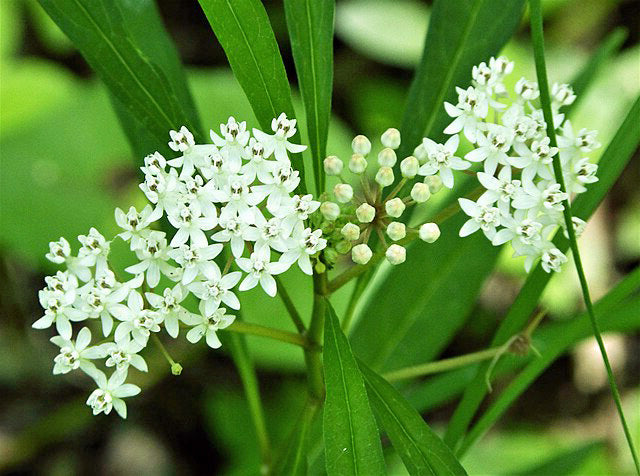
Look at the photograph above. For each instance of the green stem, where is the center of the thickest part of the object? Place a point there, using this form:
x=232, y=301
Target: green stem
x=249, y=379
x=442, y=365
x=291, y=308
x=313, y=354
x=242, y=327
x=176, y=368
x=541, y=70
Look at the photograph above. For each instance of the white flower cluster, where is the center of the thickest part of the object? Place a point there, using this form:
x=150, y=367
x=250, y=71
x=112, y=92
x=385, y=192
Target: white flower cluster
x=522, y=203
x=356, y=214
x=238, y=190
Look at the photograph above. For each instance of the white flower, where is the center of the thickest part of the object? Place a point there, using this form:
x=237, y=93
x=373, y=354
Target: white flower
x=233, y=230
x=190, y=225
x=94, y=250
x=261, y=270
x=483, y=216
x=492, y=148
x=302, y=245
x=472, y=107
x=181, y=140
x=535, y=161
x=546, y=197
x=161, y=189
x=278, y=143
x=524, y=233
x=441, y=160
x=200, y=195
x=501, y=189
x=195, y=260
x=135, y=224
x=58, y=308
x=110, y=393
x=76, y=354
x=552, y=259
x=168, y=305
x=562, y=95
x=199, y=156
x=258, y=166
x=153, y=256
x=216, y=288
x=584, y=141
x=154, y=163
x=123, y=354
x=527, y=90
x=297, y=210
x=269, y=233
x=232, y=143
x=100, y=299
x=285, y=180
x=582, y=172
x=60, y=252
x=240, y=199
x=137, y=322
x=207, y=324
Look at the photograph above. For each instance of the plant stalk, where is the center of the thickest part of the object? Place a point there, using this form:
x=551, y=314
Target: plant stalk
x=313, y=354
x=291, y=308
x=242, y=327
x=541, y=71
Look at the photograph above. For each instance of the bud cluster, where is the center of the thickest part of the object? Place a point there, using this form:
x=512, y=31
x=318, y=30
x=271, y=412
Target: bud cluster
x=368, y=203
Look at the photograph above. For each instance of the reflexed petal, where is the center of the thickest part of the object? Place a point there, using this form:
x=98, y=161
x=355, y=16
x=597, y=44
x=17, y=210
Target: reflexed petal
x=212, y=340
x=83, y=339
x=471, y=226
x=126, y=390
x=268, y=284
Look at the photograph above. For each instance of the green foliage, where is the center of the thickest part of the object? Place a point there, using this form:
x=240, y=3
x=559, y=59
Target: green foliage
x=125, y=43
x=461, y=34
x=351, y=440
x=421, y=450
x=310, y=24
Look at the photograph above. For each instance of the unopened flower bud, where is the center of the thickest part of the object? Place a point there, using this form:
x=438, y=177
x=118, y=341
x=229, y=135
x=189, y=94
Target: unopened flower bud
x=176, y=368
x=330, y=211
x=361, y=145
x=420, y=153
x=409, y=167
x=396, y=254
x=396, y=230
x=365, y=213
x=361, y=254
x=333, y=165
x=391, y=138
x=394, y=207
x=387, y=157
x=343, y=247
x=420, y=192
x=384, y=176
x=320, y=267
x=343, y=192
x=434, y=182
x=330, y=255
x=351, y=231
x=429, y=232
x=357, y=164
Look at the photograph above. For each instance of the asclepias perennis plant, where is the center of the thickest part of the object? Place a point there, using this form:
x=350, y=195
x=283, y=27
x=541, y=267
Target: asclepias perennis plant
x=251, y=202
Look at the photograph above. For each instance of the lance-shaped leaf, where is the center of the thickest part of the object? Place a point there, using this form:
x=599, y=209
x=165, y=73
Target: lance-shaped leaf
x=243, y=29
x=421, y=450
x=127, y=46
x=613, y=161
x=461, y=34
x=310, y=25
x=351, y=440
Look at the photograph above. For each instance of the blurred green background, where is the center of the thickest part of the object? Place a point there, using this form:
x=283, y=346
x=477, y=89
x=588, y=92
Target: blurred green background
x=65, y=165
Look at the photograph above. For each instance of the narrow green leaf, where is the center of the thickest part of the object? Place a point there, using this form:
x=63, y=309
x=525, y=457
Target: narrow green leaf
x=244, y=31
x=461, y=34
x=613, y=161
x=126, y=44
x=294, y=461
x=351, y=439
x=415, y=316
x=310, y=25
x=624, y=317
x=421, y=450
x=581, y=82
